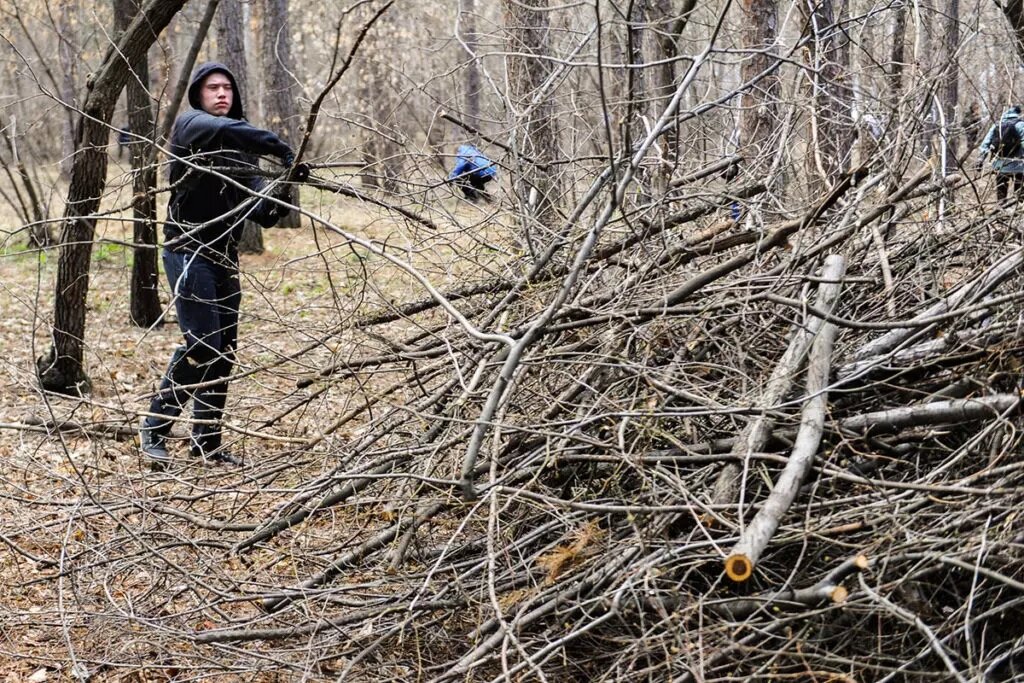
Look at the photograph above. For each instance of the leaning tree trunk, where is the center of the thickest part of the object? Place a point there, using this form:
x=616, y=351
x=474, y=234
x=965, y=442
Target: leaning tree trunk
x=62, y=368
x=280, y=112
x=231, y=52
x=535, y=131
x=144, y=297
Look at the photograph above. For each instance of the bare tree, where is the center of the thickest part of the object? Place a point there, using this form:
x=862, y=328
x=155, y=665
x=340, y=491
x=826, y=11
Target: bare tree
x=231, y=32
x=532, y=117
x=280, y=109
x=759, y=117
x=828, y=73
x=380, y=145
x=467, y=23
x=62, y=368
x=144, y=297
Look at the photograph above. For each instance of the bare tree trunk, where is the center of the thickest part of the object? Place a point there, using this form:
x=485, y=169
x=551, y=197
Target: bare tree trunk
x=144, y=298
x=231, y=52
x=528, y=30
x=668, y=24
x=280, y=112
x=62, y=368
x=950, y=95
x=381, y=150
x=69, y=71
x=467, y=19
x=832, y=124
x=638, y=114
x=759, y=101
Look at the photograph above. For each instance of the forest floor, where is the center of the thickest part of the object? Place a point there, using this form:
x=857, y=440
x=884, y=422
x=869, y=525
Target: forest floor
x=81, y=499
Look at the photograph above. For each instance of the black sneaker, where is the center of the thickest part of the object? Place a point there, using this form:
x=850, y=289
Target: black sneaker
x=224, y=458
x=153, y=446
x=210, y=451
x=217, y=457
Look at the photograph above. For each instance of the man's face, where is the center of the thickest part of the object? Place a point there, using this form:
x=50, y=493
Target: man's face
x=215, y=94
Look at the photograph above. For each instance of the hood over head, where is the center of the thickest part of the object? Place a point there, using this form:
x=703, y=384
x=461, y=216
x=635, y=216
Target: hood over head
x=204, y=70
x=1012, y=113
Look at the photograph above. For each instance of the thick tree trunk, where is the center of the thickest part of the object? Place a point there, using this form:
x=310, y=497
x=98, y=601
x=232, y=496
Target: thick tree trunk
x=527, y=26
x=62, y=368
x=758, y=119
x=467, y=20
x=231, y=33
x=381, y=151
x=280, y=112
x=144, y=298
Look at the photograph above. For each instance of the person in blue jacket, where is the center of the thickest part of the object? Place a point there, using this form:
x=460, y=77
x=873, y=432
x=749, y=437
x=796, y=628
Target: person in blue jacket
x=472, y=172
x=1005, y=144
x=212, y=150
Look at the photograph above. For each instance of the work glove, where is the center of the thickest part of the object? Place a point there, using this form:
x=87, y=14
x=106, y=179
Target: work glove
x=300, y=173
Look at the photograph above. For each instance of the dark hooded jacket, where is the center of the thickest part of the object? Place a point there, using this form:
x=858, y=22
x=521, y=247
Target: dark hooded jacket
x=205, y=213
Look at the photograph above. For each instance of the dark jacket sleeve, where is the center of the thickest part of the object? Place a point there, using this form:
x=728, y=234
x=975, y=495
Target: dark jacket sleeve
x=207, y=132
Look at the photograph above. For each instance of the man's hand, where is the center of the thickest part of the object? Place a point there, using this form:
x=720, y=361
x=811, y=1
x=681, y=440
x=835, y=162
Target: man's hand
x=300, y=173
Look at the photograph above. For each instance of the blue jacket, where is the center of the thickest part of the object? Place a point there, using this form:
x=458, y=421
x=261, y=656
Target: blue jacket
x=199, y=198
x=471, y=161
x=1004, y=164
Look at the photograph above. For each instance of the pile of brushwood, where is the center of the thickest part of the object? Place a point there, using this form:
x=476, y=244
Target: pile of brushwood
x=673, y=447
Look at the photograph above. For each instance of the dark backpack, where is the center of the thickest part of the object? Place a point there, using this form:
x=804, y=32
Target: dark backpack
x=1007, y=142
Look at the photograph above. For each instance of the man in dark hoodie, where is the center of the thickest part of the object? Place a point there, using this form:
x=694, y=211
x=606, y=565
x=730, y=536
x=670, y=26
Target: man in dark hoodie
x=213, y=152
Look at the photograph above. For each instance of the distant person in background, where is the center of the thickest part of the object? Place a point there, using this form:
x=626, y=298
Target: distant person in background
x=472, y=172
x=124, y=138
x=1004, y=144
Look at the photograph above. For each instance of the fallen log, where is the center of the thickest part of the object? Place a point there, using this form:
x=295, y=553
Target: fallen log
x=740, y=563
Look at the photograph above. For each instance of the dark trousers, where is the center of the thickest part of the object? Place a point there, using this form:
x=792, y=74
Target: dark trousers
x=206, y=297
x=1003, y=186
x=473, y=186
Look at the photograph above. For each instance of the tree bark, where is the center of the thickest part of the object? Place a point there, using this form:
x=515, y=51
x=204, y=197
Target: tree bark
x=231, y=31
x=827, y=55
x=528, y=30
x=62, y=368
x=467, y=19
x=280, y=112
x=759, y=102
x=381, y=150
x=144, y=297
x=68, y=66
